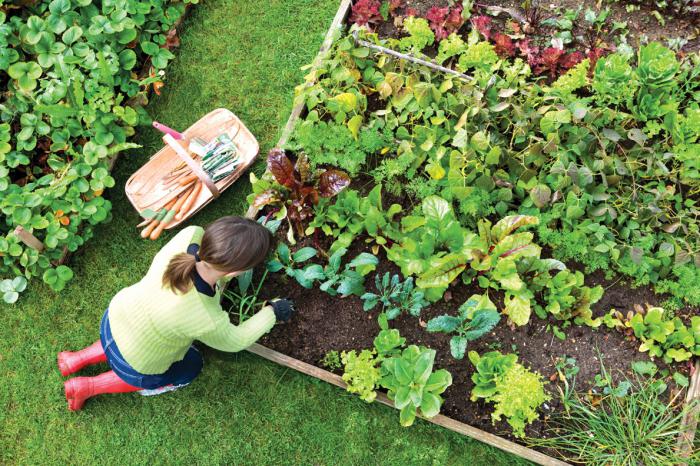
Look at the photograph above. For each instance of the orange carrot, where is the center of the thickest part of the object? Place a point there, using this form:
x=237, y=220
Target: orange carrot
x=161, y=215
x=182, y=213
x=188, y=179
x=170, y=214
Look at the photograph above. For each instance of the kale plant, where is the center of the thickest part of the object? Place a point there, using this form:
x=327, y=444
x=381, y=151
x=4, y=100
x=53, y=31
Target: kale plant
x=396, y=296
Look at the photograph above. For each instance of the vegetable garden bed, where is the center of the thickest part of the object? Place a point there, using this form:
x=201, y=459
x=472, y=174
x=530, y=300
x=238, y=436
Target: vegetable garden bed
x=555, y=348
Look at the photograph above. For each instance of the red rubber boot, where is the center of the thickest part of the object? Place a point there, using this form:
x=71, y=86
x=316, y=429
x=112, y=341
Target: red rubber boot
x=70, y=362
x=79, y=389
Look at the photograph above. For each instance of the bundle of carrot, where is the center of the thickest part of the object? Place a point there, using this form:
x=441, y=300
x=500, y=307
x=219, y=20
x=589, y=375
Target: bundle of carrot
x=177, y=208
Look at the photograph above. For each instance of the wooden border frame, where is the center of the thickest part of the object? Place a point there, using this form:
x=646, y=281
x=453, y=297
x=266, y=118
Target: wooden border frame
x=692, y=416
x=690, y=421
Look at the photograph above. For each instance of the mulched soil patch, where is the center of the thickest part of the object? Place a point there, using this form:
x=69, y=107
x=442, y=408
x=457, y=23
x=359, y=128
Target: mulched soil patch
x=324, y=323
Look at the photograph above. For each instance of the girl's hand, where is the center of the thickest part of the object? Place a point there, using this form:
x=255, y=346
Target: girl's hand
x=283, y=308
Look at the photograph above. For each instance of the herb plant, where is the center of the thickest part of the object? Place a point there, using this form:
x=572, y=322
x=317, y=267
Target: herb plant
x=476, y=317
x=639, y=428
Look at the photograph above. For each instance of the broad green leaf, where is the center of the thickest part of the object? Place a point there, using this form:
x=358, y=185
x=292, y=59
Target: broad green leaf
x=442, y=271
x=458, y=346
x=517, y=308
x=407, y=415
x=304, y=254
x=436, y=208
x=444, y=323
x=511, y=223
x=354, y=125
x=430, y=405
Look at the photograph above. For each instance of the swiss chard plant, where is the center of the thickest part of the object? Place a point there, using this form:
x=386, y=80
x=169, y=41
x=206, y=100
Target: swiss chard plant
x=516, y=392
x=433, y=246
x=495, y=262
x=395, y=296
x=476, y=317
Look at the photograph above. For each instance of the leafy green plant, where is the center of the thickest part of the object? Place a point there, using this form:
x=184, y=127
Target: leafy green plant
x=296, y=187
x=413, y=385
x=496, y=259
x=73, y=98
x=349, y=280
x=351, y=215
x=666, y=338
x=476, y=317
x=361, y=373
x=419, y=34
x=433, y=246
x=11, y=288
x=566, y=297
x=388, y=341
x=331, y=360
x=515, y=391
x=287, y=261
x=395, y=296
x=58, y=277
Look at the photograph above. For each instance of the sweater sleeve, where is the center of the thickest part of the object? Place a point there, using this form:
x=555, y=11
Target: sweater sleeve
x=232, y=338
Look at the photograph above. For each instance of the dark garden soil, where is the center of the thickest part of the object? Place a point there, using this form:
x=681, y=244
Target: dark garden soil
x=324, y=323
x=640, y=23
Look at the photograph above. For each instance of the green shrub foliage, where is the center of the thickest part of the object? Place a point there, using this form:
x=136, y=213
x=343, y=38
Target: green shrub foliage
x=71, y=103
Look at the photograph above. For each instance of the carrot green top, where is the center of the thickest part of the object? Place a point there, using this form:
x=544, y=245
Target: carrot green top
x=153, y=326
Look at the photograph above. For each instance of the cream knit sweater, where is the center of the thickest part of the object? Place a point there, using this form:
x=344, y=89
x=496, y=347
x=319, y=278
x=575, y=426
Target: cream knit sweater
x=153, y=326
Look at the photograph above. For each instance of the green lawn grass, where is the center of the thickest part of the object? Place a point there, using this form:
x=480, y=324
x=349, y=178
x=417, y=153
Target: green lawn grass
x=243, y=55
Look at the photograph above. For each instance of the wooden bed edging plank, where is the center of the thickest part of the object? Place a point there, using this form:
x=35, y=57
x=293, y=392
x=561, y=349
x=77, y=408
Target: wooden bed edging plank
x=690, y=421
x=441, y=420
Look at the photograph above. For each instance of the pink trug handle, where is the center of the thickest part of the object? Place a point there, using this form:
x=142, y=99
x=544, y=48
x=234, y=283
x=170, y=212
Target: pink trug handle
x=164, y=129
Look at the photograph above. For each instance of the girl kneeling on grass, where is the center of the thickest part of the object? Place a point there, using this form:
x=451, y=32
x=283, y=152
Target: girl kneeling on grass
x=147, y=332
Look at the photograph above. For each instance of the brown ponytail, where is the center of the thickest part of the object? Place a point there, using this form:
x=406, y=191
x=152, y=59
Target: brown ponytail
x=178, y=274
x=230, y=244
